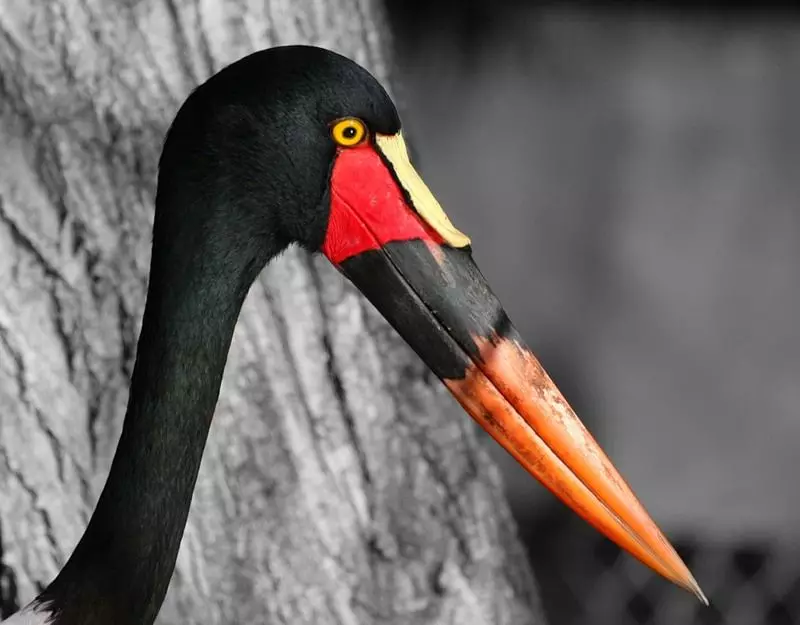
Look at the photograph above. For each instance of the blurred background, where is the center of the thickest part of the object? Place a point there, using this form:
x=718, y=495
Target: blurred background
x=630, y=177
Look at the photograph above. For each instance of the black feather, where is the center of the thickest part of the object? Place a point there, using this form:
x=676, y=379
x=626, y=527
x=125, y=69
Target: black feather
x=244, y=172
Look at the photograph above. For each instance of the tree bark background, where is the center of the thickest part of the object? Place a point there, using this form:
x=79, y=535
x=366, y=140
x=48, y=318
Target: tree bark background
x=340, y=484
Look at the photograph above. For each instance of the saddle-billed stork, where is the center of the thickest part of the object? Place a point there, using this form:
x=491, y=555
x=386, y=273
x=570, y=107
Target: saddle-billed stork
x=299, y=145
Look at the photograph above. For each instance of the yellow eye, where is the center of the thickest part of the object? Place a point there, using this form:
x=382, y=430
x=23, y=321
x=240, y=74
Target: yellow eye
x=349, y=131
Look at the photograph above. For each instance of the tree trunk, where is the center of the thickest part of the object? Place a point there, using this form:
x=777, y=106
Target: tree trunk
x=340, y=483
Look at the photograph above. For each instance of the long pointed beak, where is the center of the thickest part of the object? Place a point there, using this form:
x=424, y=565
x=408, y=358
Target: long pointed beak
x=388, y=235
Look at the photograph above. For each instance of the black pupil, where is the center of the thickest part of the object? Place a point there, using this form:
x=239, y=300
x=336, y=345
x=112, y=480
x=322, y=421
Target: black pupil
x=349, y=132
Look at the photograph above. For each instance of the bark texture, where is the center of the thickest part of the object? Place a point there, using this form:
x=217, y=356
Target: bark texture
x=340, y=483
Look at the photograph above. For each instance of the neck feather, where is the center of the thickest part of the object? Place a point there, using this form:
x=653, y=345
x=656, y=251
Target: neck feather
x=121, y=568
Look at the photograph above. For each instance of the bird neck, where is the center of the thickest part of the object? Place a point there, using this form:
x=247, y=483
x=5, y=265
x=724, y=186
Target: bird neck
x=120, y=570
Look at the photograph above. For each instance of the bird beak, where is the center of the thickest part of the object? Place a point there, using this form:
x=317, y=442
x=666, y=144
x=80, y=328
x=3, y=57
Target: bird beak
x=389, y=236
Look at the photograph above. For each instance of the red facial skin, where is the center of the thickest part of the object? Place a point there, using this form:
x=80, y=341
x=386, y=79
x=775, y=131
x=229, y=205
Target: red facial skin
x=368, y=207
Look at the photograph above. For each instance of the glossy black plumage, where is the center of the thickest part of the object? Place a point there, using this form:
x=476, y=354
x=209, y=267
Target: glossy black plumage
x=244, y=172
x=255, y=139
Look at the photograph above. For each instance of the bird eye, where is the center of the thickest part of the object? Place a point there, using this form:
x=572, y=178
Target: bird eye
x=348, y=132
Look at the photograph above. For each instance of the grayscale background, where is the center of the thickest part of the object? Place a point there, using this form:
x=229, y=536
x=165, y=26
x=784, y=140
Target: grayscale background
x=631, y=182
x=630, y=177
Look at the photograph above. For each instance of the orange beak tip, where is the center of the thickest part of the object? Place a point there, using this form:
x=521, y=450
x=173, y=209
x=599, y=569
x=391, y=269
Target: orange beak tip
x=509, y=394
x=694, y=588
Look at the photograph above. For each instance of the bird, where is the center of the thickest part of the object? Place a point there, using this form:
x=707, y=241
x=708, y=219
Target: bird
x=298, y=145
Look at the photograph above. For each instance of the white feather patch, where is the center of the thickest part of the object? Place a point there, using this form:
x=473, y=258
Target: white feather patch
x=32, y=614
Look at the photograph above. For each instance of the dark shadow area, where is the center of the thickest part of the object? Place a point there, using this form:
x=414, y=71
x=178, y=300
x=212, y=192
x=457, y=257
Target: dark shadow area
x=8, y=586
x=473, y=20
